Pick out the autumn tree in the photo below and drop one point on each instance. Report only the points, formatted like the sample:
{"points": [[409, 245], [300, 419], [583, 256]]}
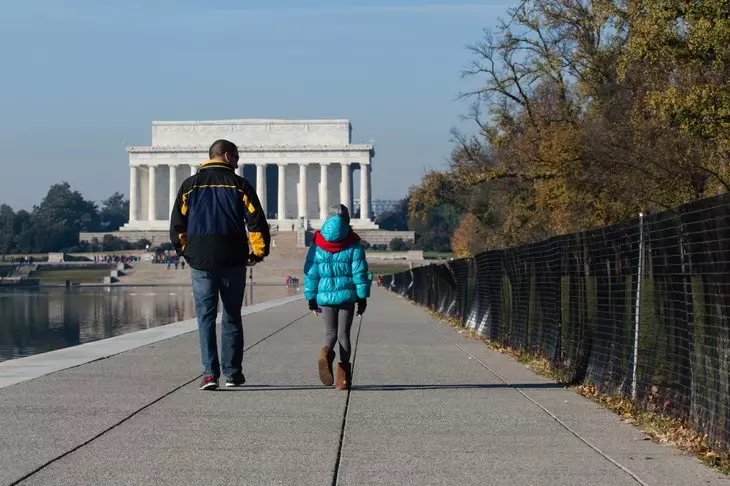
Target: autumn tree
{"points": [[679, 52], [586, 113], [469, 237]]}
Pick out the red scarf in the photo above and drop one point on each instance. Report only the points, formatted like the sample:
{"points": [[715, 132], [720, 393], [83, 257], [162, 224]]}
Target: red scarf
{"points": [[335, 246]]}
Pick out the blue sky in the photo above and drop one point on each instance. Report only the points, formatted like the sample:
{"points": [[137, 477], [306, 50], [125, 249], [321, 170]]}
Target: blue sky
{"points": [[82, 78]]}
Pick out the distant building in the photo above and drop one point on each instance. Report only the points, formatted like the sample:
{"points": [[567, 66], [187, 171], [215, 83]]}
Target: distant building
{"points": [[298, 167], [378, 206]]}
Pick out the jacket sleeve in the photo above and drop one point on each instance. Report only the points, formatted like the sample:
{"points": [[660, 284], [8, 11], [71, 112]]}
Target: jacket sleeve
{"points": [[360, 274], [311, 274], [258, 228], [179, 223]]}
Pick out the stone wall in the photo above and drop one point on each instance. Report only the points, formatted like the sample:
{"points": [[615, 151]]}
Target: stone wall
{"points": [[412, 255], [382, 237], [155, 237], [251, 132], [374, 237]]}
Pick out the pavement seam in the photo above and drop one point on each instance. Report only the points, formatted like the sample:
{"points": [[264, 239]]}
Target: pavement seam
{"points": [[336, 473], [633, 475], [143, 408]]}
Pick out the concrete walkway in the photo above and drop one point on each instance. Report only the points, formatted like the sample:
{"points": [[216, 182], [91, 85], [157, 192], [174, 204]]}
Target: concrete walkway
{"points": [[428, 406]]}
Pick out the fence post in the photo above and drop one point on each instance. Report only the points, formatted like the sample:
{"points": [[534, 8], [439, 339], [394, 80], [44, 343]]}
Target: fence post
{"points": [[634, 389], [410, 285]]}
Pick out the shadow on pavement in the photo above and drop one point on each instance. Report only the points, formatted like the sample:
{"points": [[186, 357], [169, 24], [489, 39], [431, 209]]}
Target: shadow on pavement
{"points": [[463, 386]]}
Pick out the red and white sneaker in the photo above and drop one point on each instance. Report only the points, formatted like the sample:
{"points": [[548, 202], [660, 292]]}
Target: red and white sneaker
{"points": [[208, 383]]}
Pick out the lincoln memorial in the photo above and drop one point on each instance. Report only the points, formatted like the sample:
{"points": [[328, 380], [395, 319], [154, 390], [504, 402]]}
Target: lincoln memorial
{"points": [[298, 167]]}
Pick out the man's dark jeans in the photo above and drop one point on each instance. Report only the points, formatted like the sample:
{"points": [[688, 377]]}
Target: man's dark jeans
{"points": [[230, 284]]}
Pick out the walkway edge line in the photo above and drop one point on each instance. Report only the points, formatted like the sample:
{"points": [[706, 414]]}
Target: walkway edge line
{"points": [[30, 367], [576, 434]]}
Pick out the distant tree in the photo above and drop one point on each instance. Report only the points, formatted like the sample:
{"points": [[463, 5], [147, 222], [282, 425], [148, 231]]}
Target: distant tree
{"points": [[395, 219], [55, 223], [435, 225], [469, 238], [142, 244], [7, 229], [114, 212], [25, 234], [113, 243], [398, 244], [164, 247]]}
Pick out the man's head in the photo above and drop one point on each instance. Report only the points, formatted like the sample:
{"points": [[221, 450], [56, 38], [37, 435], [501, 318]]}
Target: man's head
{"points": [[224, 151], [339, 210]]}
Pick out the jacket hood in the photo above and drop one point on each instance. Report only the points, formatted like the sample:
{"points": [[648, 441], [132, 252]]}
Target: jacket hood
{"points": [[335, 229], [335, 235]]}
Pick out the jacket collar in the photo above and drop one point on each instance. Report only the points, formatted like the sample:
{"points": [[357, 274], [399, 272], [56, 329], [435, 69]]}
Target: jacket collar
{"points": [[215, 164]]}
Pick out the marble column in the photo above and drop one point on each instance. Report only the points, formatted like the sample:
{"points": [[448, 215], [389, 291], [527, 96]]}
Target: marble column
{"points": [[323, 191], [365, 191], [133, 194], [193, 170], [281, 194], [345, 189], [302, 203], [261, 185], [152, 195], [173, 186]]}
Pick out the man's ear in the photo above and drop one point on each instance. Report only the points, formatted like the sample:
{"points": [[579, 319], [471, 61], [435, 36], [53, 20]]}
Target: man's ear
{"points": [[228, 158]]}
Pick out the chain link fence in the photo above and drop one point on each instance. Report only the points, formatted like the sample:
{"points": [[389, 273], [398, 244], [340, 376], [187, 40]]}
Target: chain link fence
{"points": [[639, 308]]}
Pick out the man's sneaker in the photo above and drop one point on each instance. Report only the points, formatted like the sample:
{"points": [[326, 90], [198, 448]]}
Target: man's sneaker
{"points": [[236, 381], [208, 383]]}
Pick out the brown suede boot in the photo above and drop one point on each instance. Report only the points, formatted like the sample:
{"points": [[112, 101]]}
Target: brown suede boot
{"points": [[324, 363], [344, 376]]}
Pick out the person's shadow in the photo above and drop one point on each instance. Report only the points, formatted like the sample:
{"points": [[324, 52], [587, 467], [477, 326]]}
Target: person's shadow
{"points": [[398, 387]]}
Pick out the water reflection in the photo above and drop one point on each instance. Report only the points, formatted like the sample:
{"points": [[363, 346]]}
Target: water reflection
{"points": [[35, 321]]}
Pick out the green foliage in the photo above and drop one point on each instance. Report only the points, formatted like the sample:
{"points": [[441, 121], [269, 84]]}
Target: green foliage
{"points": [[434, 226], [112, 243], [398, 244], [114, 212], [163, 247], [7, 228], [55, 224], [397, 219], [142, 244]]}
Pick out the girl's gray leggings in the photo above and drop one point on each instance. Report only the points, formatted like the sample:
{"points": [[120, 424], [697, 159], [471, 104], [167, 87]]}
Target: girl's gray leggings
{"points": [[338, 322]]}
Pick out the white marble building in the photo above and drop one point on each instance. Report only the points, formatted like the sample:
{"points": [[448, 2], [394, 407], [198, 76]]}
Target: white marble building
{"points": [[298, 167]]}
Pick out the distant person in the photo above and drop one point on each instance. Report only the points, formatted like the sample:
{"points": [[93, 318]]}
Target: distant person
{"points": [[336, 279], [182, 263], [208, 225]]}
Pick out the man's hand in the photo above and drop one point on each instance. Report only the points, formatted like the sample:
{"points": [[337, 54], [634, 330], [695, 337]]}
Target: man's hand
{"points": [[313, 305], [253, 259], [361, 306]]}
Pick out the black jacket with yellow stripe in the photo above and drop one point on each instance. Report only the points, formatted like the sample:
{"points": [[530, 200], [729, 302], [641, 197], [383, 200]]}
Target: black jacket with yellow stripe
{"points": [[212, 212]]}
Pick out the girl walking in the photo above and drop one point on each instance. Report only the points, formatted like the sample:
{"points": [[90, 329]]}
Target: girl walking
{"points": [[336, 279]]}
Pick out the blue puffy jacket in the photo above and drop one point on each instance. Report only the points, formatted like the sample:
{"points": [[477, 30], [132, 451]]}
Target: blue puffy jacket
{"points": [[336, 271]]}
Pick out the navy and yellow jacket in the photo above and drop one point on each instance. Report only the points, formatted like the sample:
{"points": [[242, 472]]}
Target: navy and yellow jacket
{"points": [[212, 211]]}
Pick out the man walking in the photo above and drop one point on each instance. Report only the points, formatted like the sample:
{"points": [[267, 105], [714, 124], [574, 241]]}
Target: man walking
{"points": [[208, 224]]}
